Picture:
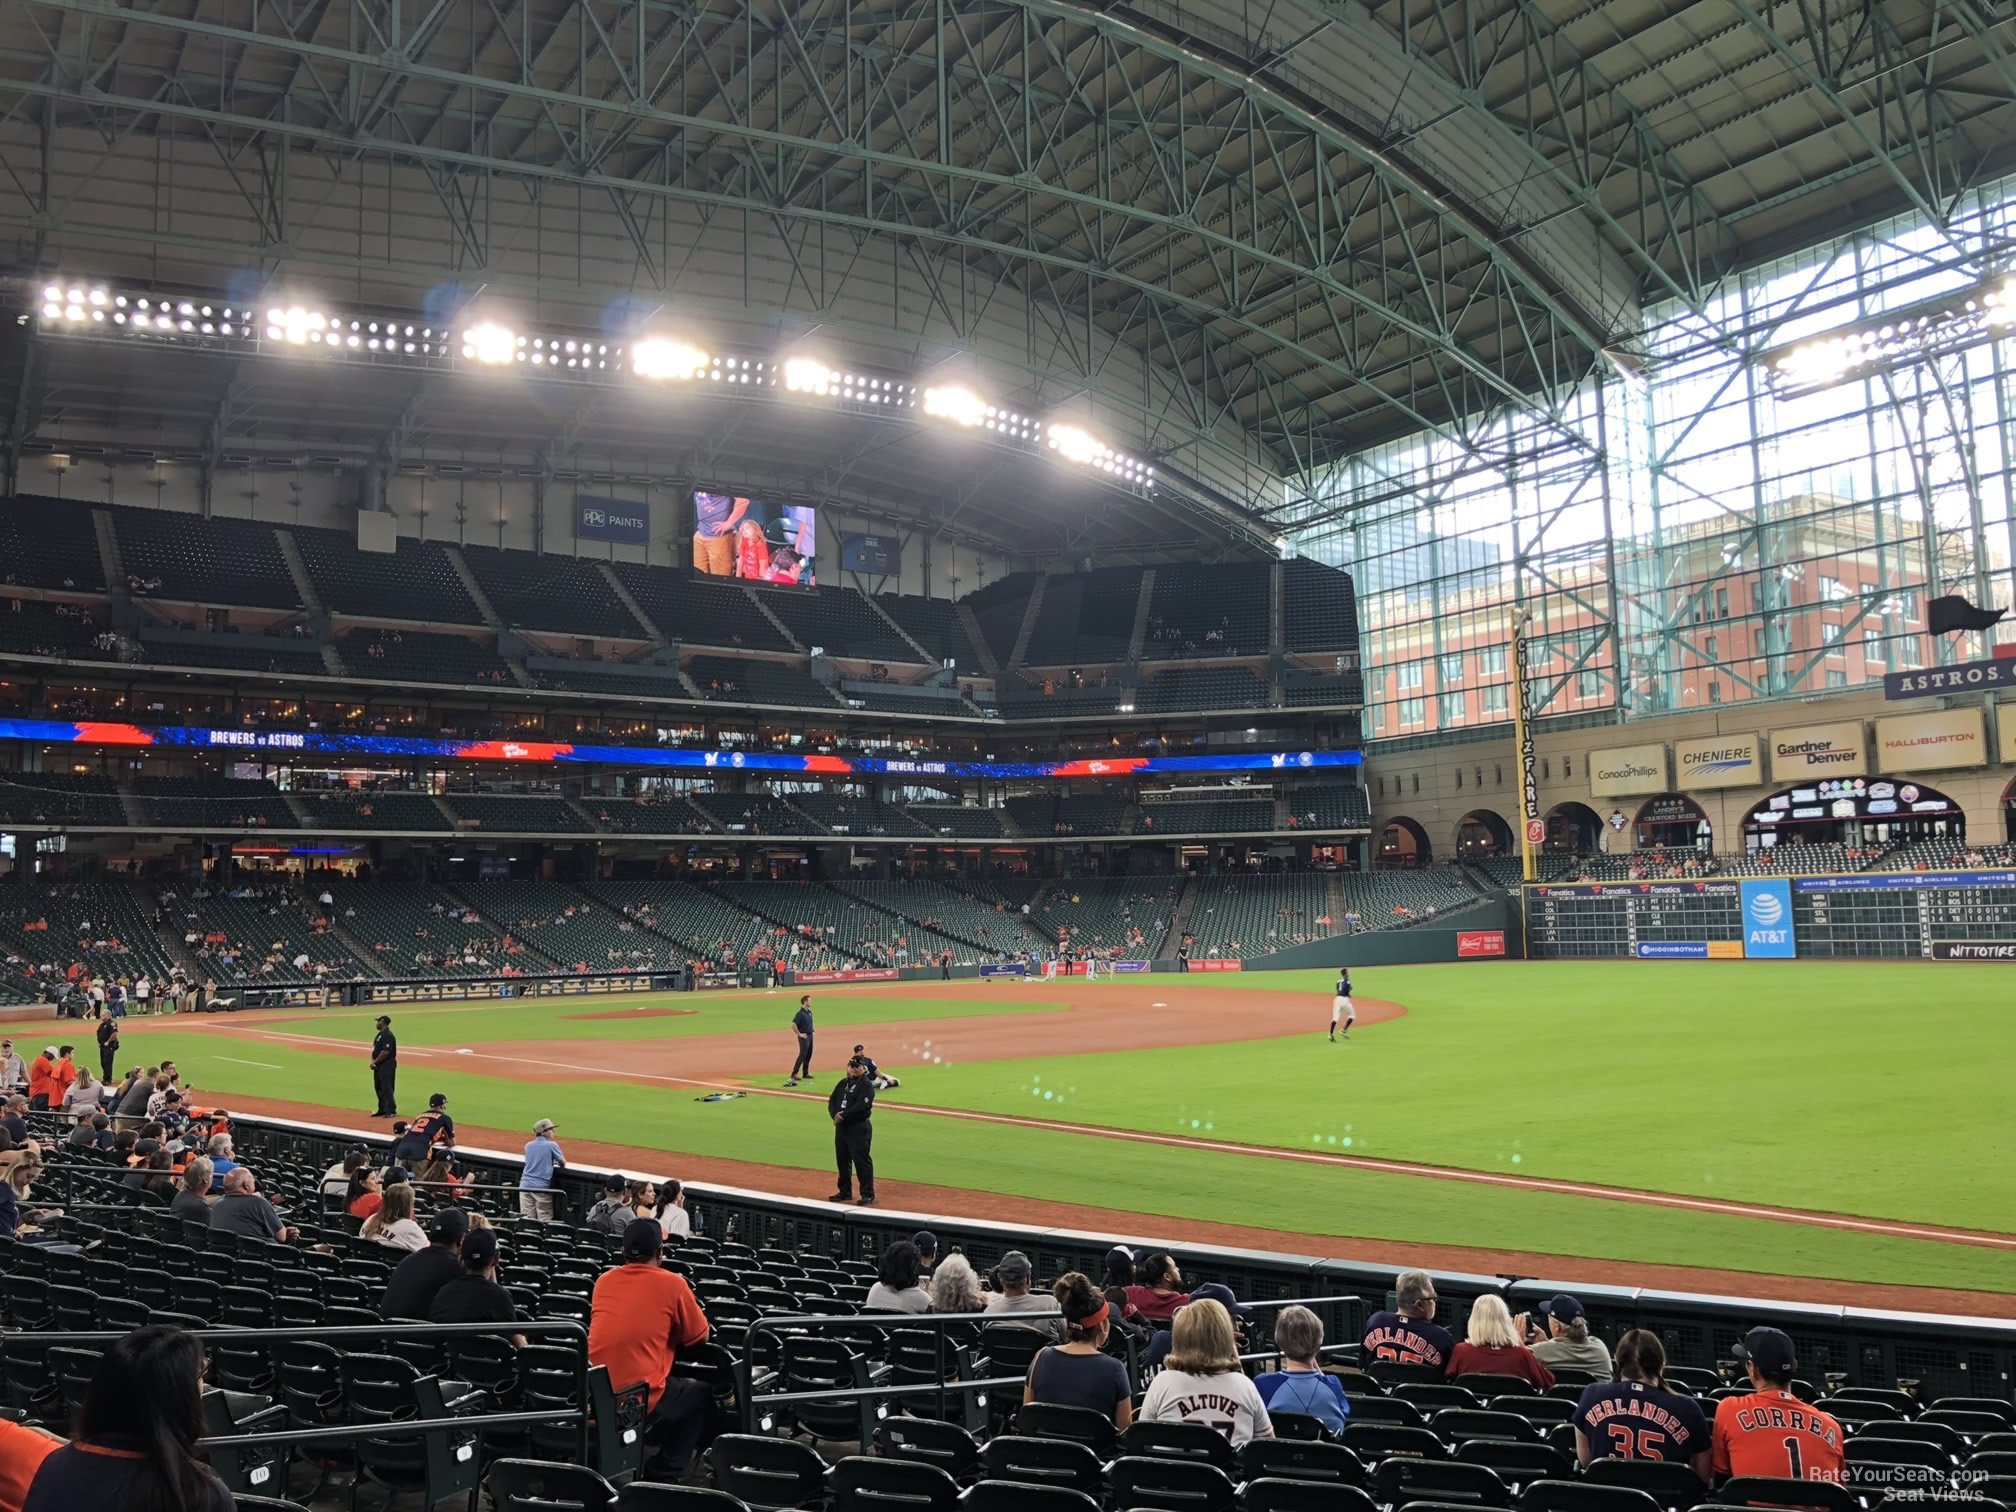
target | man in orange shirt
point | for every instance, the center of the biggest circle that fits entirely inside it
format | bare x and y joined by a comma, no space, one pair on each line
1770,1431
61,1076
22,1450
640,1315
42,1080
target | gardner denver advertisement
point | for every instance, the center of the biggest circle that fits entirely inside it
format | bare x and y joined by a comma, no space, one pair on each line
1822,750
1716,761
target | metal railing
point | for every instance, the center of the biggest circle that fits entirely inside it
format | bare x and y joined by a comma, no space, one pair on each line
569,1329
775,1329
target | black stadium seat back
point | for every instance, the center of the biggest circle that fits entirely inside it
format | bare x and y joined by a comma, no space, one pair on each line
1971,1423
1375,1442
1461,1424
1298,1425
1387,1409
1013,1496
524,1485
1518,1465
1277,1494
1397,1481
1772,1491
1998,1407
1486,1384
1011,1347
1879,1467
1852,1411
1673,1485
1190,1442
1942,1436
946,1445
1545,1410
768,1472
1433,1396
1042,1462
265,1504
1082,1424
1158,1484
651,1496
1583,1496
1329,1464
860,1483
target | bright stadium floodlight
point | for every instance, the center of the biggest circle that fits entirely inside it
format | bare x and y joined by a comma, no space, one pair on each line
1885,343
491,344
1073,444
808,375
657,357
295,325
959,405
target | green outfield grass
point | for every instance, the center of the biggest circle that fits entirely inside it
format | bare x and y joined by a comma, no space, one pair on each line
1874,1089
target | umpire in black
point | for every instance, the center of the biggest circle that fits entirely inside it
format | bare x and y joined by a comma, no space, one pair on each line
385,1068
853,1106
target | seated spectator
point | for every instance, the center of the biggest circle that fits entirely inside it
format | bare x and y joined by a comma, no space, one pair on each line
437,1176
1636,1417
1409,1335
474,1296
222,1163
955,1288
1567,1343
1079,1372
1494,1346
14,1185
392,1225
1161,1340
672,1214
1301,1384
241,1210
85,1135
1202,1382
367,1192
336,1180
612,1211
15,1119
418,1279
1157,1291
642,1315
154,1179
1014,1276
1769,1431
192,1203
926,1244
22,1450
85,1096
896,1288
135,1445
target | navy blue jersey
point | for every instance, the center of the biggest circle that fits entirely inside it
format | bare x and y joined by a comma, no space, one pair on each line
869,1061
1630,1420
802,1020
1344,984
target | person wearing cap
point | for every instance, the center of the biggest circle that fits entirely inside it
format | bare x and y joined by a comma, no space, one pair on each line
385,1068
882,1083
926,1244
41,1079
473,1295
640,1316
852,1107
537,1192
433,1127
1013,1277
108,1042
13,1069
1636,1416
1566,1342
418,1279
1769,1431
1408,1334
1163,1340
1496,1346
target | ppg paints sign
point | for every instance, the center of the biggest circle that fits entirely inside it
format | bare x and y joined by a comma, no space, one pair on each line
1718,761
620,520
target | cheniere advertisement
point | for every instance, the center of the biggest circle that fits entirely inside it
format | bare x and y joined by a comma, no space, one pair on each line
1717,761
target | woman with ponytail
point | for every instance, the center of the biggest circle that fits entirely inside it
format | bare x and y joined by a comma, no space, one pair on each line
135,1446
1077,1373
1636,1416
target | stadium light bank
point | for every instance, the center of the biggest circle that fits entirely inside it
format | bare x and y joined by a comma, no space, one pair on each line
1895,340
487,342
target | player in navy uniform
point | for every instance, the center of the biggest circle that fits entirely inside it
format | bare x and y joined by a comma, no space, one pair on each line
1341,1007
801,1025
882,1083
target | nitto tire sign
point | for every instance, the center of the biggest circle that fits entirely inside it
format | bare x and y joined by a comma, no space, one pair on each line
1974,950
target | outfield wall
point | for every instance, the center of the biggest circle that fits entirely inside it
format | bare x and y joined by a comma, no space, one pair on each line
1935,916
1466,935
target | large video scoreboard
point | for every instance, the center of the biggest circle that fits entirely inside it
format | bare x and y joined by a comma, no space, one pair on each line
1947,916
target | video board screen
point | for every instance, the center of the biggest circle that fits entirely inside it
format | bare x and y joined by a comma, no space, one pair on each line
756,540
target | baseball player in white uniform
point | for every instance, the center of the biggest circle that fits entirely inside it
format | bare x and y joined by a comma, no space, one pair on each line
1342,1009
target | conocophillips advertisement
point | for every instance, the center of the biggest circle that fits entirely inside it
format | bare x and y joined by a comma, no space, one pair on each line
1626,770
1717,761
1823,750
1931,742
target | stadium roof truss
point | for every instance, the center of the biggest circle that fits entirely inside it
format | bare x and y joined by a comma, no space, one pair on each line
1244,242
